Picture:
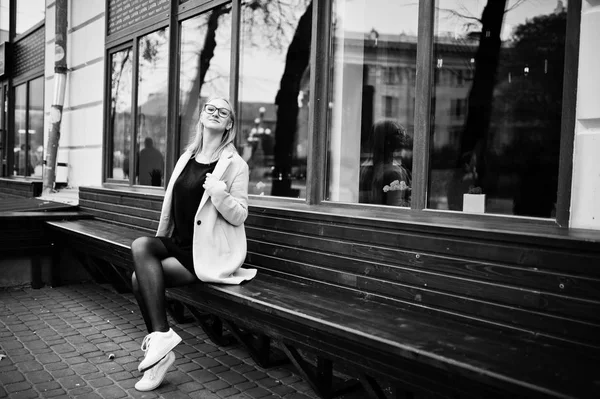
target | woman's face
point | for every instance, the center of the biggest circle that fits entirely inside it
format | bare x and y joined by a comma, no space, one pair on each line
212,116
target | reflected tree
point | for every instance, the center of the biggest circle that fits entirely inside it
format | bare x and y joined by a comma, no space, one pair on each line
533,101
204,57
296,64
475,133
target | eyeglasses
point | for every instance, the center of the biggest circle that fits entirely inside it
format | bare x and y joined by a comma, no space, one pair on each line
211,109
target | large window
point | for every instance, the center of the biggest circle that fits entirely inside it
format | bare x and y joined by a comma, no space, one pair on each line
454,106
373,89
138,130
497,105
273,95
29,128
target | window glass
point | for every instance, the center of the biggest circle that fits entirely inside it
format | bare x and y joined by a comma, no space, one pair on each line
273,95
372,101
120,114
21,158
205,64
152,105
497,107
35,126
29,13
4,20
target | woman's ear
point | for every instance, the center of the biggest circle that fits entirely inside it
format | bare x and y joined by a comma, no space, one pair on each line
229,124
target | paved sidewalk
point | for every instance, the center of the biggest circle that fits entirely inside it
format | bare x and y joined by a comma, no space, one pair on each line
57,343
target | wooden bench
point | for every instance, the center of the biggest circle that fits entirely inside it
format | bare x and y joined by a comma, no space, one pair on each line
20,187
22,234
430,310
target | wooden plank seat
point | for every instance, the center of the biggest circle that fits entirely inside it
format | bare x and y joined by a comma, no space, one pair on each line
426,309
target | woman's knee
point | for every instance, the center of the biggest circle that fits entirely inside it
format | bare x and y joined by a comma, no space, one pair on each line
141,246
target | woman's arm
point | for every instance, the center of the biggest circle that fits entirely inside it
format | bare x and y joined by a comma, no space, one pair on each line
233,205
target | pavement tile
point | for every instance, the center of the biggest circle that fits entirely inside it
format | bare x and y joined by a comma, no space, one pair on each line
58,341
47,386
91,395
18,359
55,393
84,368
10,377
101,382
62,373
36,377
204,394
48,358
257,392
17,386
203,376
72,381
190,386
31,365
80,391
228,392
216,385
59,365
27,394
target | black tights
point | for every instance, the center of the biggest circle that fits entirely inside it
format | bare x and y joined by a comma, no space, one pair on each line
154,271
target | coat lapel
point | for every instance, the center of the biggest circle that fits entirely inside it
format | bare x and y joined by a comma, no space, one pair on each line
220,169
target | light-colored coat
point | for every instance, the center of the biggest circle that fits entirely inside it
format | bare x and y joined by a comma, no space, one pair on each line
219,243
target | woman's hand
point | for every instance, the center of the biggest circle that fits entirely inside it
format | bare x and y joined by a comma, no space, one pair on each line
213,186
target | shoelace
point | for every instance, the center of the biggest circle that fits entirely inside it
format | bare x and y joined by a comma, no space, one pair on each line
146,341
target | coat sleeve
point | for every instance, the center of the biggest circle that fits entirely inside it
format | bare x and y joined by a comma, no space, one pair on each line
233,205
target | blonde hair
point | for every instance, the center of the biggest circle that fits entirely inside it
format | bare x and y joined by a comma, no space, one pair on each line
195,145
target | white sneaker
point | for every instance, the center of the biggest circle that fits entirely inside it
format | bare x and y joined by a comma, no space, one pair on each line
154,376
156,345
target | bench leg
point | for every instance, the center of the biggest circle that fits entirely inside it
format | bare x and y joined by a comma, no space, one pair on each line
177,311
36,272
372,388
260,349
55,280
212,326
320,378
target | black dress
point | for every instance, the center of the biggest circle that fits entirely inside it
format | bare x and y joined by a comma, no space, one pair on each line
187,194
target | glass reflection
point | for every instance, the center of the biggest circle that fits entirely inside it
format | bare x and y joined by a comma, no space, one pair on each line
205,64
372,101
151,138
274,81
29,13
497,107
35,137
22,166
120,113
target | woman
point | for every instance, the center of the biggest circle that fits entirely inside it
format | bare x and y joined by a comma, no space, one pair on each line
383,179
200,234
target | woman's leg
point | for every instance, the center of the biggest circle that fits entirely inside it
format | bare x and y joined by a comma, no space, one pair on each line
140,301
155,270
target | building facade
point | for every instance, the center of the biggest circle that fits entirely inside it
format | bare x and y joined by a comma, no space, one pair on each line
485,110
